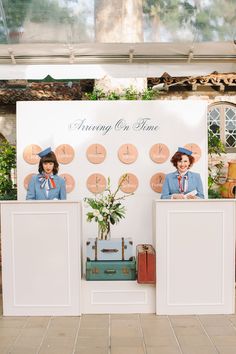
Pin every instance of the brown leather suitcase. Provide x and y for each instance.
(146, 264)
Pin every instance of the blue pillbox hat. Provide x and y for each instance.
(45, 152)
(185, 151)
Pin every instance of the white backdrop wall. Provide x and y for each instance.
(174, 123)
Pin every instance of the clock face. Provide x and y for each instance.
(159, 153)
(130, 183)
(30, 154)
(196, 151)
(127, 153)
(27, 179)
(96, 153)
(70, 182)
(64, 153)
(157, 181)
(96, 183)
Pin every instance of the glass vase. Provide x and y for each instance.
(104, 232)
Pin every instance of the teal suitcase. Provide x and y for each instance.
(111, 270)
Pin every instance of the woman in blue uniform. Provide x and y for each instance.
(182, 184)
(47, 185)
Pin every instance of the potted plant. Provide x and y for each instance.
(107, 209)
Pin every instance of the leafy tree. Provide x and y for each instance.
(18, 14)
(7, 163)
(50, 11)
(15, 12)
(191, 19)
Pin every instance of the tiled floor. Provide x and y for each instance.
(118, 334)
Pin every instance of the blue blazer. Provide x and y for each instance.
(34, 191)
(171, 185)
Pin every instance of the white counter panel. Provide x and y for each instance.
(117, 297)
(41, 258)
(195, 242)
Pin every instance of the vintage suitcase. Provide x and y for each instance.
(111, 270)
(116, 249)
(146, 264)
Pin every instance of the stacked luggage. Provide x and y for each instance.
(110, 259)
(114, 260)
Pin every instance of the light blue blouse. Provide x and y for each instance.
(171, 185)
(35, 192)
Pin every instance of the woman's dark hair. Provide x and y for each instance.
(51, 157)
(178, 157)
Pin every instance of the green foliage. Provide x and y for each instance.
(215, 147)
(51, 11)
(7, 163)
(106, 207)
(211, 20)
(148, 94)
(96, 95)
(214, 194)
(129, 94)
(112, 96)
(15, 12)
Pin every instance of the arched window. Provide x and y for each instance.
(222, 122)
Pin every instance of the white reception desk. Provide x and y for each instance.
(41, 261)
(41, 267)
(195, 243)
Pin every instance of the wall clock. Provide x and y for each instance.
(159, 153)
(96, 183)
(197, 153)
(157, 181)
(27, 179)
(64, 153)
(96, 153)
(30, 154)
(130, 183)
(70, 182)
(127, 153)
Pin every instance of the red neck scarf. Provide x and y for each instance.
(47, 181)
(183, 183)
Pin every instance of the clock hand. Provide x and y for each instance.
(97, 181)
(32, 152)
(96, 150)
(127, 150)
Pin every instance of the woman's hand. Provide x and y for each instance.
(191, 196)
(178, 196)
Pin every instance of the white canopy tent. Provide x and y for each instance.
(118, 38)
(119, 60)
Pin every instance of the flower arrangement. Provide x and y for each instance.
(107, 208)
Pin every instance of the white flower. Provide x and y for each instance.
(100, 217)
(96, 213)
(105, 210)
